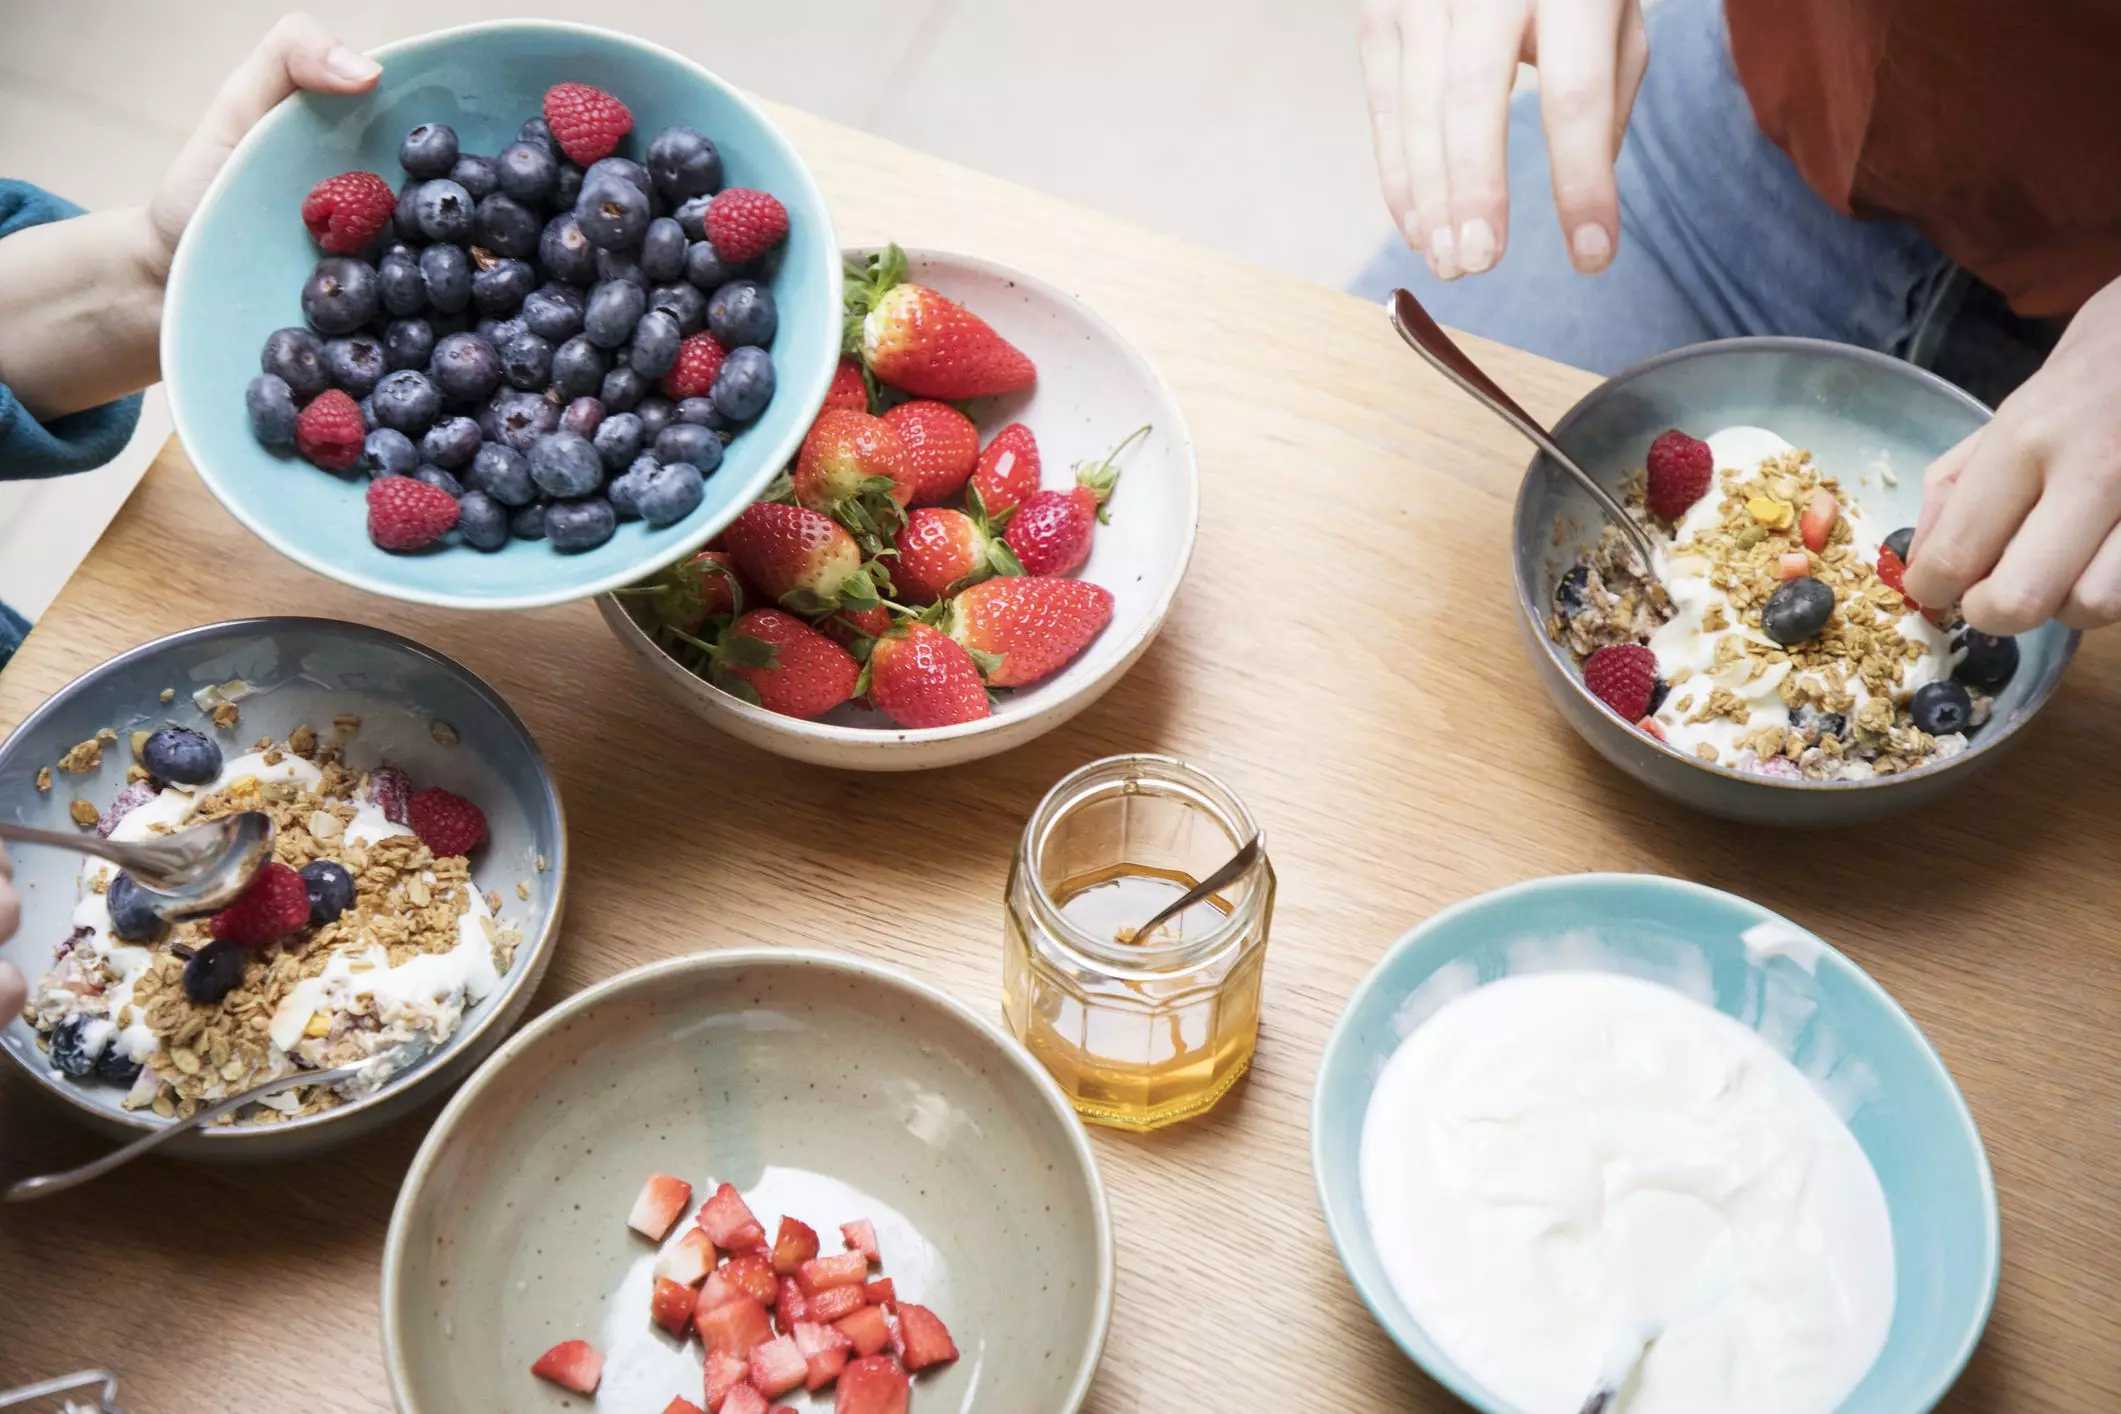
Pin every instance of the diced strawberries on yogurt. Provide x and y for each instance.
(793, 1245)
(825, 1348)
(572, 1364)
(873, 1385)
(687, 1261)
(727, 1219)
(778, 1366)
(752, 1273)
(662, 1199)
(735, 1328)
(867, 1328)
(835, 1302)
(825, 1273)
(724, 1373)
(861, 1237)
(671, 1305)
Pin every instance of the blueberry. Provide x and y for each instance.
(1987, 659)
(690, 443)
(528, 171)
(566, 253)
(340, 295)
(405, 216)
(296, 358)
(613, 212)
(477, 175)
(401, 285)
(408, 343)
(528, 522)
(624, 492)
(272, 410)
(662, 255)
(1815, 725)
(614, 308)
(538, 134)
(1901, 541)
(445, 210)
(132, 911)
(499, 331)
(115, 1066)
(683, 303)
(506, 226)
(526, 361)
(568, 188)
(1796, 610)
(625, 169)
(1568, 595)
(445, 271)
(1941, 708)
(181, 755)
(691, 216)
(355, 363)
(429, 150)
(439, 479)
(566, 464)
(482, 521)
(622, 389)
(389, 452)
(580, 525)
(1659, 690)
(77, 1042)
(499, 472)
(553, 312)
(582, 416)
(518, 418)
(465, 367)
(213, 972)
(408, 401)
(451, 442)
(618, 439)
(684, 164)
(742, 313)
(701, 412)
(745, 385)
(578, 367)
(706, 270)
(655, 343)
(620, 265)
(656, 413)
(368, 413)
(331, 891)
(500, 287)
(670, 493)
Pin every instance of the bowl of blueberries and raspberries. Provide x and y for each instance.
(540, 314)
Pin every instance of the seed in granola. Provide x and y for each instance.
(84, 814)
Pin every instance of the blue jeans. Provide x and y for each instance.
(1719, 236)
(13, 627)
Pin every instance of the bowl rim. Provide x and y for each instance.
(1535, 620)
(646, 978)
(770, 463)
(1129, 648)
(528, 965)
(1343, 1228)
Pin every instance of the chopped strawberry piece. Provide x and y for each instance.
(1890, 569)
(719, 1290)
(662, 1199)
(793, 1245)
(1793, 564)
(682, 1405)
(826, 1349)
(924, 1338)
(728, 1220)
(688, 1261)
(744, 1399)
(671, 1306)
(572, 1364)
(777, 1367)
(791, 1307)
(880, 1292)
(825, 1273)
(861, 1237)
(1653, 727)
(724, 1373)
(752, 1273)
(735, 1327)
(873, 1385)
(1817, 522)
(867, 1328)
(834, 1303)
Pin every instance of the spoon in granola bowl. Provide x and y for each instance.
(1427, 338)
(191, 871)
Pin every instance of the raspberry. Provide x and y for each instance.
(391, 788)
(275, 906)
(446, 823)
(346, 212)
(586, 122)
(743, 224)
(848, 390)
(330, 430)
(404, 514)
(699, 360)
(1624, 677)
(1680, 469)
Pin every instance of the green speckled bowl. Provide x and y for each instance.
(824, 1087)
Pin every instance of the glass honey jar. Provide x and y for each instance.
(1140, 1032)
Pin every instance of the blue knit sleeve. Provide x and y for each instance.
(78, 441)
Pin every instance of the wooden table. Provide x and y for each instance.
(1344, 655)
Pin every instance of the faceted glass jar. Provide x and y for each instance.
(1143, 1032)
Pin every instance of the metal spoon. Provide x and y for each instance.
(1622, 1358)
(1232, 870)
(1427, 338)
(197, 870)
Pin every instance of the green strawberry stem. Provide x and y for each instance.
(1101, 476)
(866, 284)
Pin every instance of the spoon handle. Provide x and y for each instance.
(79, 844)
(1232, 870)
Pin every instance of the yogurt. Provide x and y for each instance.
(1555, 1164)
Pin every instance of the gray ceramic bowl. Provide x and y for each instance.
(824, 1087)
(1857, 412)
(305, 670)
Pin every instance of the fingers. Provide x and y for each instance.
(1485, 41)
(297, 52)
(1579, 57)
(1379, 44)
(2049, 554)
(1938, 483)
(2095, 600)
(1986, 502)
(1634, 63)
(1403, 46)
(14, 992)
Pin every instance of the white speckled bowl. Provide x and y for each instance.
(821, 1085)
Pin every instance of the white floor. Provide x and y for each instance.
(1236, 123)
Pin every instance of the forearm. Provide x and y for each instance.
(80, 311)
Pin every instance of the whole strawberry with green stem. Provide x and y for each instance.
(917, 340)
(774, 660)
(1051, 531)
(1007, 474)
(854, 468)
(1021, 629)
(919, 677)
(941, 550)
(802, 560)
(692, 593)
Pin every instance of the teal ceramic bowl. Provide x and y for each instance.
(239, 271)
(1817, 1007)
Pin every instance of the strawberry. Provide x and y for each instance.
(688, 1261)
(347, 212)
(1892, 569)
(743, 224)
(699, 360)
(1679, 472)
(1022, 629)
(880, 1292)
(915, 339)
(942, 446)
(776, 661)
(572, 1364)
(1624, 677)
(724, 1373)
(1793, 564)
(867, 1328)
(733, 1328)
(694, 592)
(670, 1306)
(329, 431)
(849, 390)
(825, 1273)
(777, 1367)
(857, 631)
(801, 559)
(449, 824)
(940, 550)
(727, 1219)
(682, 1405)
(744, 1399)
(586, 122)
(718, 1291)
(854, 468)
(752, 1273)
(825, 1350)
(404, 514)
(873, 1385)
(1051, 530)
(1817, 522)
(662, 1197)
(793, 1245)
(920, 678)
(1653, 727)
(275, 906)
(860, 1236)
(791, 1307)
(833, 1305)
(1007, 473)
(926, 1338)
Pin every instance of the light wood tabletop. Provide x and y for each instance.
(1344, 655)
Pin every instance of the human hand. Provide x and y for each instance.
(13, 992)
(1439, 73)
(2021, 522)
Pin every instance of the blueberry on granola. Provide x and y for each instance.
(77, 1042)
(1568, 595)
(181, 755)
(115, 1066)
(1986, 659)
(132, 911)
(1941, 708)
(331, 891)
(1797, 610)
(213, 972)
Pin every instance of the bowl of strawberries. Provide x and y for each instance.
(979, 534)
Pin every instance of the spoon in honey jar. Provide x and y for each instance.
(1232, 870)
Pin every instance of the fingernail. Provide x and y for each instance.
(352, 67)
(1476, 246)
(1592, 247)
(1443, 258)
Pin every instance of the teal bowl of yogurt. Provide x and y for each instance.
(1565, 1118)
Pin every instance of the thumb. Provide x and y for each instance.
(14, 993)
